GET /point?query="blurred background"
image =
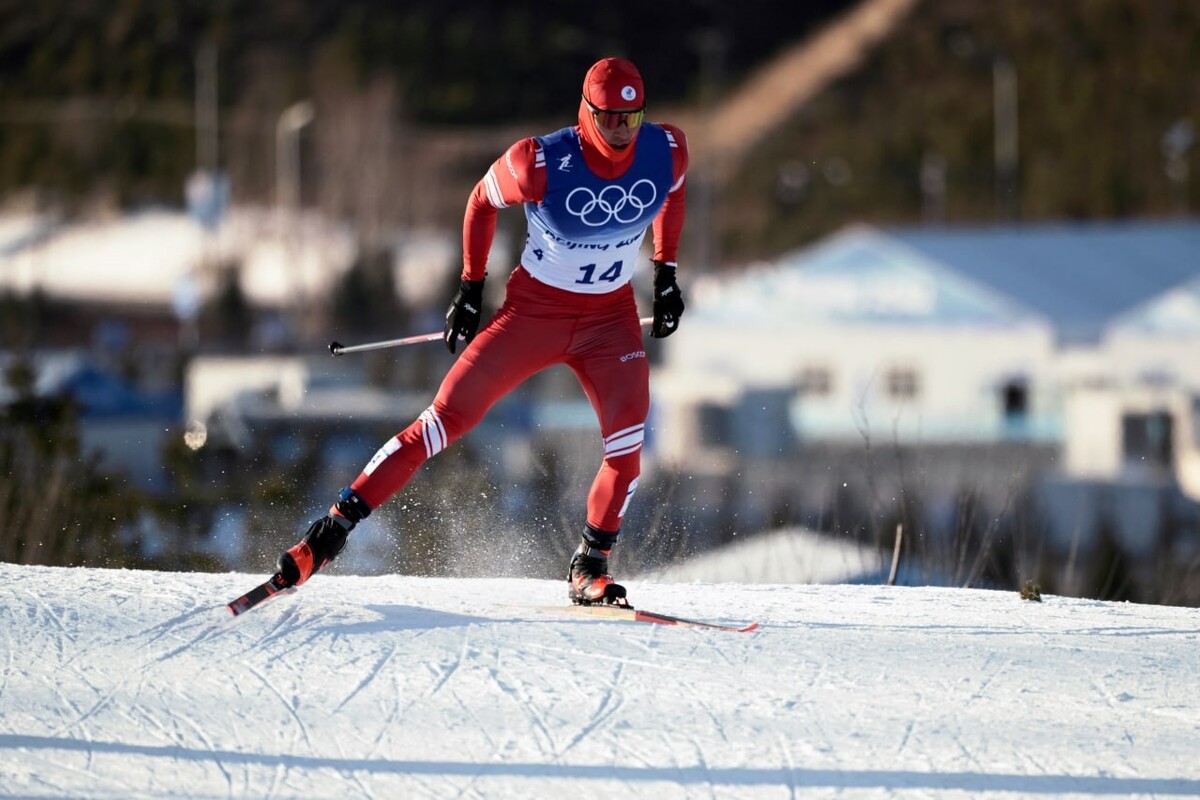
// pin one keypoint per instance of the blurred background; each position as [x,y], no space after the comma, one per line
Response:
[941,260]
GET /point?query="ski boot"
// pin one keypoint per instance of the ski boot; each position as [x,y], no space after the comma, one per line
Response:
[588,581]
[324,540]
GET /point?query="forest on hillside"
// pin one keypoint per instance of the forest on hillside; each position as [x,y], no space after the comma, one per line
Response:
[1105,104]
[98,106]
[98,97]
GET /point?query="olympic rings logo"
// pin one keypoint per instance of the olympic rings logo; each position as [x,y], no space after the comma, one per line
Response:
[613,202]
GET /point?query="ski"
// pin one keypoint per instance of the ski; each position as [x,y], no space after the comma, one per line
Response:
[259,594]
[630,614]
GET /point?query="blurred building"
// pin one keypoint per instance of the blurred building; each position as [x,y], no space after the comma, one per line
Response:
[786,555]
[1064,350]
[122,423]
[159,258]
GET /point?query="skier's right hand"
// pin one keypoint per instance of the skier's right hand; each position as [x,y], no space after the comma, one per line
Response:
[462,318]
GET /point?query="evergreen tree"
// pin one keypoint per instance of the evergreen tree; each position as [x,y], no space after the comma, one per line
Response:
[56,507]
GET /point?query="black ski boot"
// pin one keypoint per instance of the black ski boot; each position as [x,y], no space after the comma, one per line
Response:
[588,581]
[324,540]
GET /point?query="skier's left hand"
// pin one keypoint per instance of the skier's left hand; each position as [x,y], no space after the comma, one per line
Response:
[668,301]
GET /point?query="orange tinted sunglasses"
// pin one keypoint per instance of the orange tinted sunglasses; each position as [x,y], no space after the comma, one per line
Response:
[615,119]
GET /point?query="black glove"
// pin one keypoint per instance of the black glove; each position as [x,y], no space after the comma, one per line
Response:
[668,301]
[462,318]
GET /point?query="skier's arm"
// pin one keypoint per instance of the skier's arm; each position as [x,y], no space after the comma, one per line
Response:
[668,225]
[518,176]
[668,300]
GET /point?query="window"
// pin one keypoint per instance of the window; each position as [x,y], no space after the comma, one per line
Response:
[902,383]
[1196,422]
[1146,439]
[1014,399]
[815,382]
[714,425]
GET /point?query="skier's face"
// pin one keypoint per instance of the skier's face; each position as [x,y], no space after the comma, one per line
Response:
[618,126]
[619,137]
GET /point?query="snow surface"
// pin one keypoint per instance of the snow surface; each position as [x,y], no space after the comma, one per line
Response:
[122,684]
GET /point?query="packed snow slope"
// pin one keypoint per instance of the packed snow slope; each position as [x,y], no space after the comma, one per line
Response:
[119,684]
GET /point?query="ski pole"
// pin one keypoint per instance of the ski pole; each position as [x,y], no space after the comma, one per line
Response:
[337,349]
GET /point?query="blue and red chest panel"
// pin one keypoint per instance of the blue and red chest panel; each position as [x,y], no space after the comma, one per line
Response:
[585,234]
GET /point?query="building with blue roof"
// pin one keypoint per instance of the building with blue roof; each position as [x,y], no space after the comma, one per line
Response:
[1083,278]
[1073,344]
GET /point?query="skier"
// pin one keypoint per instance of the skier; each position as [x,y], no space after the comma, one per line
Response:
[590,192]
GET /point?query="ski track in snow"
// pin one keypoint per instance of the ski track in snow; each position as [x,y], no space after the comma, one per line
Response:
[119,684]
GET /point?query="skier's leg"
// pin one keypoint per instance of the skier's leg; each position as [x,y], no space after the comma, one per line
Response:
[616,379]
[504,354]
[615,376]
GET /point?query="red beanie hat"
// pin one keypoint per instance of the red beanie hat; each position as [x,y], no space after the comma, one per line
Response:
[614,83]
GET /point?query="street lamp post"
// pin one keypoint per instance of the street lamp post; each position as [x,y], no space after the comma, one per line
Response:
[287,194]
[1176,143]
[1006,152]
[287,153]
[1004,112]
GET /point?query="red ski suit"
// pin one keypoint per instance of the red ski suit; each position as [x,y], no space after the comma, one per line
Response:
[593,330]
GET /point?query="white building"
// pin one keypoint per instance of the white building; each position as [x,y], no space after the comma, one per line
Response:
[1081,336]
